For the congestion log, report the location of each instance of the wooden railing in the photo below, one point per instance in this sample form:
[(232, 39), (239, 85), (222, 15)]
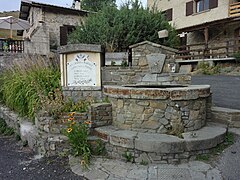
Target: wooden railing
[(10, 45), (234, 9), (206, 51)]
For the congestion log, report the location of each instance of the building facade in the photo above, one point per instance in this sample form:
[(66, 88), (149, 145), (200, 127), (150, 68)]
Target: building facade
[(50, 25), (212, 23)]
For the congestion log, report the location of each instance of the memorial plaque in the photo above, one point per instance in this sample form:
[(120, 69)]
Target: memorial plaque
[(156, 62), (81, 71)]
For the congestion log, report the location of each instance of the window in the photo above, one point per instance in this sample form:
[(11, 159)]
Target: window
[(202, 5), (168, 14), (197, 6)]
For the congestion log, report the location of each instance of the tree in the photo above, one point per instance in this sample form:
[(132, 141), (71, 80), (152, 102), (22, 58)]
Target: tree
[(96, 5), (116, 29)]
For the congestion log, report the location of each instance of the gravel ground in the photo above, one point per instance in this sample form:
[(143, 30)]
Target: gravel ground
[(17, 163)]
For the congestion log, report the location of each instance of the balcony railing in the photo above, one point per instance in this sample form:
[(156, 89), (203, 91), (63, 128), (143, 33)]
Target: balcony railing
[(206, 51), (234, 9), (10, 45)]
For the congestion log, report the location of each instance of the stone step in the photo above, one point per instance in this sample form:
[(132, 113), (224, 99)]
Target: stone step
[(227, 116), (159, 147)]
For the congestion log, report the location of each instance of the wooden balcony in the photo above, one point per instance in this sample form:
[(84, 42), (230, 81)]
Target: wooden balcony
[(206, 51), (234, 9), (12, 46)]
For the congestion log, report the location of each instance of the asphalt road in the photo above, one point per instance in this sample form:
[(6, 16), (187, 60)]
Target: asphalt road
[(228, 162), (225, 89), (17, 163)]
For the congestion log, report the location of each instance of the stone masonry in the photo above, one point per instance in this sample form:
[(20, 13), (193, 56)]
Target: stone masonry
[(164, 111), (45, 135)]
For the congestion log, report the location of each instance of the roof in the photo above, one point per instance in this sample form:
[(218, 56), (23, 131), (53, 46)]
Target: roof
[(27, 4), (155, 45)]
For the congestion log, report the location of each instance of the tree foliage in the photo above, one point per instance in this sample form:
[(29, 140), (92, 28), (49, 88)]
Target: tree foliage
[(116, 29), (96, 5)]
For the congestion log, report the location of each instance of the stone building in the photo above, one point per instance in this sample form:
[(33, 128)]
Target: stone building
[(210, 22), (50, 25)]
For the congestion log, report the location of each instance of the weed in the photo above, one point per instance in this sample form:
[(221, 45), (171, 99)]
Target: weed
[(99, 148), (17, 137), (124, 63), (128, 156), (237, 56), (144, 162), (207, 69), (202, 157), (25, 143), (113, 63), (4, 129)]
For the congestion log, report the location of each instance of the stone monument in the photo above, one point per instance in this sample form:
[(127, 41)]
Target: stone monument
[(81, 70)]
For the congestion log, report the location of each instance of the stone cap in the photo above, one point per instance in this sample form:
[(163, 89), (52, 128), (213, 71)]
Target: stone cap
[(155, 45), (173, 93), (71, 48)]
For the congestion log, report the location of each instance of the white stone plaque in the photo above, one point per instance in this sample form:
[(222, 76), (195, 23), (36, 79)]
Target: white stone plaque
[(81, 71)]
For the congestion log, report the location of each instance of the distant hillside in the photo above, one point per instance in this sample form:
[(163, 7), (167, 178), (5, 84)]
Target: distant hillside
[(6, 33)]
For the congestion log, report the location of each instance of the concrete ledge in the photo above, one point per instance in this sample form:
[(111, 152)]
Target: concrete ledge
[(226, 116)]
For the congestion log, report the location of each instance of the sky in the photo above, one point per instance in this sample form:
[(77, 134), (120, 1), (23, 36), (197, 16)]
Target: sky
[(12, 5)]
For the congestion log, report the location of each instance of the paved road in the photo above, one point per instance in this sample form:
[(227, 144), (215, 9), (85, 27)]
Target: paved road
[(228, 162), (226, 89), (18, 163)]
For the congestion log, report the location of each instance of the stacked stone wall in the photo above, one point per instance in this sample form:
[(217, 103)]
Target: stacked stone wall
[(132, 75), (45, 135)]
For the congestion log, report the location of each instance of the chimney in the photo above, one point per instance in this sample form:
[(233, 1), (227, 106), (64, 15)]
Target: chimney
[(76, 4)]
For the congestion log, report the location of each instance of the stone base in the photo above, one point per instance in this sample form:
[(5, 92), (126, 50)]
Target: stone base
[(160, 148)]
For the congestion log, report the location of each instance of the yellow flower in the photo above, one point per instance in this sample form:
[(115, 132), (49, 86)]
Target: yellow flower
[(70, 119), (69, 130), (72, 123), (82, 162), (71, 114), (87, 122)]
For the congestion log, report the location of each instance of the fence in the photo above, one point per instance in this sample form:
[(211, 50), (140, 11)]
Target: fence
[(10, 45), (203, 51)]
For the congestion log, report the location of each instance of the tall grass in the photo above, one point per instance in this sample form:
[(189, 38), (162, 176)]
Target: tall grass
[(25, 82)]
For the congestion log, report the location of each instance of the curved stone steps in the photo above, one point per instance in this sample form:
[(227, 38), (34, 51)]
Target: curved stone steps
[(162, 146)]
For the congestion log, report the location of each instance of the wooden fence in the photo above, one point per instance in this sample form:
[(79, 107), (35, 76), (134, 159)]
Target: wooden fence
[(204, 51)]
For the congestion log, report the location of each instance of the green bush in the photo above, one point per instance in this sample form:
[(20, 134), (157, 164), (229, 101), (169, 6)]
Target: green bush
[(23, 85), (118, 28), (207, 69), (237, 56)]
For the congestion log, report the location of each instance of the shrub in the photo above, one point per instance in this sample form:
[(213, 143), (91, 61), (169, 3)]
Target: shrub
[(237, 56), (25, 82), (207, 69)]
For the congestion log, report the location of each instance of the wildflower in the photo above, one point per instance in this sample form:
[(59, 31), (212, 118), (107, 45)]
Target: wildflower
[(82, 162), (69, 130), (70, 119), (72, 123), (87, 122), (71, 114)]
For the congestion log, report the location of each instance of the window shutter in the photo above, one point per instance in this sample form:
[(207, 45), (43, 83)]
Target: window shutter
[(189, 8), (213, 4), (63, 35), (169, 14)]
